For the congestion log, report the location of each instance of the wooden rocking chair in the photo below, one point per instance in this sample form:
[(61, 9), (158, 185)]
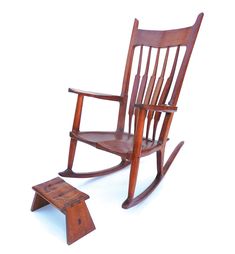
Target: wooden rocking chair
[(163, 54)]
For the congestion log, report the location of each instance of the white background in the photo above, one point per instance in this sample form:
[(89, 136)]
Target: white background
[(47, 46)]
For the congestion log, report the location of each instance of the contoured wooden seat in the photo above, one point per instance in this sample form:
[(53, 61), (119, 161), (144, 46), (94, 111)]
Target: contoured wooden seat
[(116, 142), (160, 59)]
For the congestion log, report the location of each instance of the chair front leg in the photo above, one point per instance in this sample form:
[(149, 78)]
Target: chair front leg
[(73, 141), (72, 150), (135, 159)]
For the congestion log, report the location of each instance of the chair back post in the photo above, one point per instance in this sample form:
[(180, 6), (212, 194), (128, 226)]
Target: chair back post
[(184, 65), (179, 81), (126, 79)]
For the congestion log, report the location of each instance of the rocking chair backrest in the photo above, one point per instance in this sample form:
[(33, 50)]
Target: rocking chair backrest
[(162, 59)]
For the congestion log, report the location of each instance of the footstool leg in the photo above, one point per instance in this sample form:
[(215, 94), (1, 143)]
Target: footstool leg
[(78, 222), (38, 202)]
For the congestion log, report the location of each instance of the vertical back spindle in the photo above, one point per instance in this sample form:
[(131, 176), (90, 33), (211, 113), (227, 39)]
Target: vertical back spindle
[(135, 89), (143, 83), (152, 79), (144, 79), (157, 91), (165, 91)]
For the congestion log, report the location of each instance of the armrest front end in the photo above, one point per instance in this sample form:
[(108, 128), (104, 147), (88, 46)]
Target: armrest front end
[(102, 96)]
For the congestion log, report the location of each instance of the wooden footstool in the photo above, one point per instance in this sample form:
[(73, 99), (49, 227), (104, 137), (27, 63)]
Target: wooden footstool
[(69, 201)]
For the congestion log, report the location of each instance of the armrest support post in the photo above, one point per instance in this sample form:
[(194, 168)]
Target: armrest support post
[(77, 114)]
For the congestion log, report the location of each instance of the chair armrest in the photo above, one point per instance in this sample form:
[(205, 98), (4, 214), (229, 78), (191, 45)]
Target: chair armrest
[(97, 95), (160, 108)]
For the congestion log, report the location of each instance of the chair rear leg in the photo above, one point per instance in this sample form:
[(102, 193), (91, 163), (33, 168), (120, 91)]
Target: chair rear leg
[(160, 161)]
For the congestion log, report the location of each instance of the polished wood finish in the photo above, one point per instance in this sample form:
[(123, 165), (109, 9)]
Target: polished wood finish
[(69, 201), (162, 59), (96, 95)]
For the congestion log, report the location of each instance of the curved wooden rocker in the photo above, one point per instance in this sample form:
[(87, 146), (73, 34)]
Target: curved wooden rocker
[(69, 173), (131, 201), (164, 54)]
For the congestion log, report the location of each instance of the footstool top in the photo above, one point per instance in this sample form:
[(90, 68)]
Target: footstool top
[(60, 194)]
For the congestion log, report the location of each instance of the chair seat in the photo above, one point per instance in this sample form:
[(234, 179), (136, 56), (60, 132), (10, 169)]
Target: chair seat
[(116, 142)]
